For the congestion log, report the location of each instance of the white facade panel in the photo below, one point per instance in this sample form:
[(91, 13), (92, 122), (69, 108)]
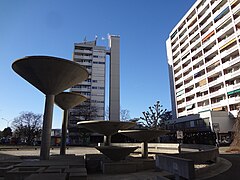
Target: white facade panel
[(215, 27)]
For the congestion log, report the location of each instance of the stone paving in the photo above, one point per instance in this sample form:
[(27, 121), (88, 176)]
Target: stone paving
[(13, 153), (32, 152)]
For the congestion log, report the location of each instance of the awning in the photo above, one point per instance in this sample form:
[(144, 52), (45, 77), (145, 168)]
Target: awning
[(233, 92), (225, 11), (227, 44), (234, 2), (208, 36), (217, 109)]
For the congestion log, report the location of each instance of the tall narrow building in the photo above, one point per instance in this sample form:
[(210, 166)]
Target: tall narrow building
[(93, 57), (204, 66)]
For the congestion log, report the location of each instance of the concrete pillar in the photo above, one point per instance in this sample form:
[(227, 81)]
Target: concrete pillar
[(47, 126), (107, 140), (144, 148), (64, 132), (114, 92)]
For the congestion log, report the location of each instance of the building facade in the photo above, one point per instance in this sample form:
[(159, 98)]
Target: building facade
[(93, 58), (204, 63)]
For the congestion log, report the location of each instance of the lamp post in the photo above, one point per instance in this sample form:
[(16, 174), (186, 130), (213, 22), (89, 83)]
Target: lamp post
[(7, 121)]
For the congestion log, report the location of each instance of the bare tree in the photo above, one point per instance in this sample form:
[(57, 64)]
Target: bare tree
[(27, 126), (155, 117), (124, 114), (86, 112), (7, 132)]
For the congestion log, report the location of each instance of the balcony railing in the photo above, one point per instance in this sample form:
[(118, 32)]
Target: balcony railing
[(190, 92), (181, 105), (217, 93), (194, 34), (215, 82), (224, 30), (184, 113), (177, 66), (219, 11), (222, 19), (188, 75), (229, 51), (215, 70), (180, 97), (190, 102), (202, 6), (234, 100), (203, 108), (232, 36), (178, 73), (218, 104), (83, 51), (231, 62), (214, 48), (233, 87), (235, 9), (237, 20), (204, 88), (178, 81), (213, 60), (216, 3)]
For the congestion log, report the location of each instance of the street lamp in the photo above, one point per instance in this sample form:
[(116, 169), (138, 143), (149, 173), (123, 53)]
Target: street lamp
[(7, 121)]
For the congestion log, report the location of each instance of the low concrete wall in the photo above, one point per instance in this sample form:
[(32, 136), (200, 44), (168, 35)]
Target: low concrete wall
[(152, 147), (199, 153), (205, 153), (177, 166)]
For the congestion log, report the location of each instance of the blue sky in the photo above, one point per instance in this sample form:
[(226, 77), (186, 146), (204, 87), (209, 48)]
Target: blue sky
[(51, 27)]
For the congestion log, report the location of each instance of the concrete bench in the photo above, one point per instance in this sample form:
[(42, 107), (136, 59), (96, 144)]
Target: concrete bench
[(20, 173), (119, 167), (93, 162), (7, 166), (178, 166), (47, 176)]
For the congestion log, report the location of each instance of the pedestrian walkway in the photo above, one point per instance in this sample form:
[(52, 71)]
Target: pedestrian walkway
[(227, 167)]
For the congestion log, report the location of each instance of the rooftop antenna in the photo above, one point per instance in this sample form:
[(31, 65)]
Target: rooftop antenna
[(96, 39), (85, 39)]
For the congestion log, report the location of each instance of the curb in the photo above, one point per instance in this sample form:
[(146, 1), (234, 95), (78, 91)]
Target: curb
[(221, 166)]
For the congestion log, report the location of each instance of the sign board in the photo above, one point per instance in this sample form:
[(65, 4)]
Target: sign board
[(216, 127), (179, 134)]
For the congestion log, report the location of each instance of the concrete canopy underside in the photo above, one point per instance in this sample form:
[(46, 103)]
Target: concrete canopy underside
[(50, 75), (106, 128), (67, 100)]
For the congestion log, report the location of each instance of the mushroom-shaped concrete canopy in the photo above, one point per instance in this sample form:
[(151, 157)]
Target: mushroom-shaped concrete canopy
[(67, 100), (51, 75), (143, 135), (106, 128)]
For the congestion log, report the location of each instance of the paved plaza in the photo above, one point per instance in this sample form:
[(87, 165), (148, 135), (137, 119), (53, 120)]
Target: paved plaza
[(227, 167)]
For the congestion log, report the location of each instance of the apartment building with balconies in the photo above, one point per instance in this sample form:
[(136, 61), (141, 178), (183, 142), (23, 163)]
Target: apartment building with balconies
[(204, 63)]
